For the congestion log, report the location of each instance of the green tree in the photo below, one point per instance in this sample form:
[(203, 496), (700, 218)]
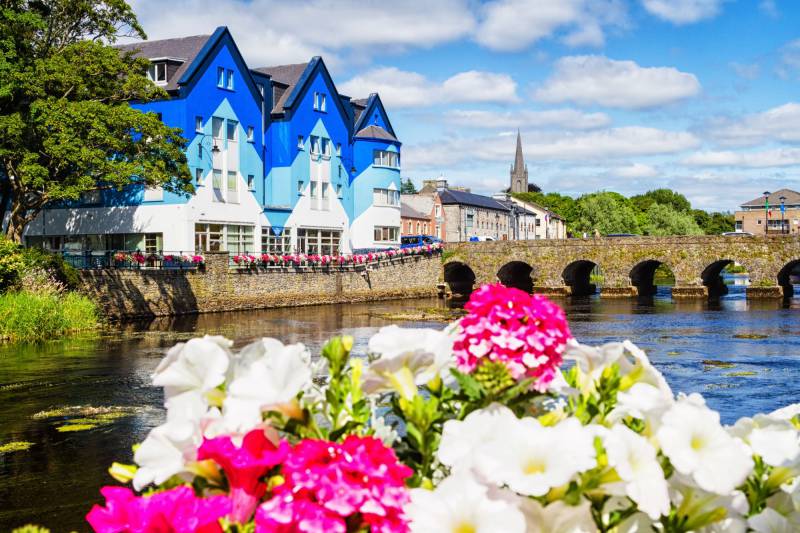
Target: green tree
[(606, 212), (407, 187), (66, 124), (664, 219), (668, 197), (713, 223)]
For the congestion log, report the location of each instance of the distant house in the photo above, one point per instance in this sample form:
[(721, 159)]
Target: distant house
[(764, 215), (532, 221), (413, 222), (469, 216)]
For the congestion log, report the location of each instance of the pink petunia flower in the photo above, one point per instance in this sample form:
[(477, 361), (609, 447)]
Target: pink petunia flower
[(244, 467), (173, 511), (527, 333), (338, 488)]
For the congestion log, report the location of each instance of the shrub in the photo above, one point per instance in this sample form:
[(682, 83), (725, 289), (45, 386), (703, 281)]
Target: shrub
[(33, 317), (16, 261)]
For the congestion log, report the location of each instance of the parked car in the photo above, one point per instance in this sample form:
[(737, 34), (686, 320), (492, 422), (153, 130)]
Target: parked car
[(737, 234), (481, 238), (412, 241)]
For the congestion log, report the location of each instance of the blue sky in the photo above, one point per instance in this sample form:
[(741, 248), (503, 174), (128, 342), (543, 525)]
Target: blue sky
[(700, 96)]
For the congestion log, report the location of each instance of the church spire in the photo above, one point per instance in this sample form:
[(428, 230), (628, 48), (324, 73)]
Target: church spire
[(519, 161), (519, 172)]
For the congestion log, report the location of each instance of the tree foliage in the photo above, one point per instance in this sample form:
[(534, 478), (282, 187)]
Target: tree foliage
[(66, 124), (656, 212), (407, 187), (606, 212), (664, 219)]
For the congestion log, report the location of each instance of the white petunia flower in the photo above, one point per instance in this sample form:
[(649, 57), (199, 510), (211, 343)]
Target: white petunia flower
[(697, 445), (643, 401), (272, 375), (634, 365), (461, 440), (771, 521), (634, 459), (775, 440), (408, 357), (705, 511), (786, 413), (558, 517), (462, 504), (531, 458), (165, 452), (198, 365)]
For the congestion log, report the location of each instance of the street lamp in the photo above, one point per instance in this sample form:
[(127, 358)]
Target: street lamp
[(766, 212), (783, 210)]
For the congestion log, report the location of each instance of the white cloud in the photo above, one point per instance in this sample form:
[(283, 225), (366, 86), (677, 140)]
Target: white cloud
[(636, 170), (779, 157), (683, 11), (588, 80), (511, 25), (570, 119), (748, 71), (789, 59), (769, 8), (400, 88), (776, 124), (271, 32), (599, 145)]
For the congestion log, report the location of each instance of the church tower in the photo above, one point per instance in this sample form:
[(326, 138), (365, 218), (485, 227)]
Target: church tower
[(519, 170)]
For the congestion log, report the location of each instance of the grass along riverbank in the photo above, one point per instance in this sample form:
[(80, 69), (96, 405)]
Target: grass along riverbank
[(33, 317)]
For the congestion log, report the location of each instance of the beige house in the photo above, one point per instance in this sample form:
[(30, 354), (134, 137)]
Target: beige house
[(764, 215), (532, 221)]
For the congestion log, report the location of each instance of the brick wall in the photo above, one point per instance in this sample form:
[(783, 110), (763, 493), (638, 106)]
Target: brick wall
[(139, 293)]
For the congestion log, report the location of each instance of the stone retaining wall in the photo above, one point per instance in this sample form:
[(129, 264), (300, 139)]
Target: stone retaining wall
[(218, 287)]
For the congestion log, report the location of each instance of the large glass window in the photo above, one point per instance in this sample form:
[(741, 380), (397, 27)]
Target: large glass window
[(158, 72), (386, 233), (209, 237), (240, 239), (217, 179), (276, 244), (318, 241), (385, 197), (233, 197), (384, 158)]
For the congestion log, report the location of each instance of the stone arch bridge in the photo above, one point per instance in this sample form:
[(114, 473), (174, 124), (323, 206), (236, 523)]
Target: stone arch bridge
[(628, 264)]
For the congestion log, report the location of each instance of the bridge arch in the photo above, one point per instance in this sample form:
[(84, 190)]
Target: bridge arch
[(577, 275), (517, 274), (643, 276), (460, 278), (785, 275), (712, 277)]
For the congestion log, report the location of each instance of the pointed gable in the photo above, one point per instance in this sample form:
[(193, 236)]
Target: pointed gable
[(373, 114)]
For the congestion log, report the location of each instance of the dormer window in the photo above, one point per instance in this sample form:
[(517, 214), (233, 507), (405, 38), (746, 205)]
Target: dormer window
[(157, 72)]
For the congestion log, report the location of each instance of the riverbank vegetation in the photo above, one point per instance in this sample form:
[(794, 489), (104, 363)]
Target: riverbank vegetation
[(659, 212), (37, 297)]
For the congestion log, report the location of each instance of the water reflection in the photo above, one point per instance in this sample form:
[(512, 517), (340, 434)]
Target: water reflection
[(693, 342)]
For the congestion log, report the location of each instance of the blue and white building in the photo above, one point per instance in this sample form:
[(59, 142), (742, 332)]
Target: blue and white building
[(281, 162)]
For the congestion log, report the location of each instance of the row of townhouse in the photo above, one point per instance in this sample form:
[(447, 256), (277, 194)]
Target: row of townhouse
[(458, 215), (281, 162)]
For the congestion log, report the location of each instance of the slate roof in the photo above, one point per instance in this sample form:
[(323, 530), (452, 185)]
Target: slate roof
[(359, 105), (286, 75), (406, 211), (375, 132), (449, 197), (184, 48), (792, 198), (509, 204)]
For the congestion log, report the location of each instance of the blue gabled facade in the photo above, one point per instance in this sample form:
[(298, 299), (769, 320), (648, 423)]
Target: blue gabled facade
[(281, 162)]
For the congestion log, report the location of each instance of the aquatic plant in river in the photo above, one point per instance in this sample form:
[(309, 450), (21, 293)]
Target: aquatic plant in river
[(475, 428)]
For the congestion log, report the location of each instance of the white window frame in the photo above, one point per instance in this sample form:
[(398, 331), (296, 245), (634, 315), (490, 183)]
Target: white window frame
[(198, 124), (250, 134), (156, 68), (300, 143), (217, 133), (221, 77), (251, 182), (229, 79), (199, 176), (386, 233), (232, 124)]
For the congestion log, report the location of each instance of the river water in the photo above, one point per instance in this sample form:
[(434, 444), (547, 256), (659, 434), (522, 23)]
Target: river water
[(56, 479)]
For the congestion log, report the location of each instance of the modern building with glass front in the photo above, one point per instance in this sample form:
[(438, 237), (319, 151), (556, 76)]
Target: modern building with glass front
[(281, 162)]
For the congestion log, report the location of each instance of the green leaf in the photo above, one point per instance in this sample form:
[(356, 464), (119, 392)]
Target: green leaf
[(469, 385)]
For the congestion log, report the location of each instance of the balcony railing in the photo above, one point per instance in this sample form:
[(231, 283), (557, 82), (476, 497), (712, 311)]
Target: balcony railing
[(133, 259)]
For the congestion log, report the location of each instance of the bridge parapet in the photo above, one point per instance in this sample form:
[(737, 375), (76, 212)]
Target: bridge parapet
[(627, 265)]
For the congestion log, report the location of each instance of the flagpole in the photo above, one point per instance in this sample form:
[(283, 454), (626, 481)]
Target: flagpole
[(766, 212)]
